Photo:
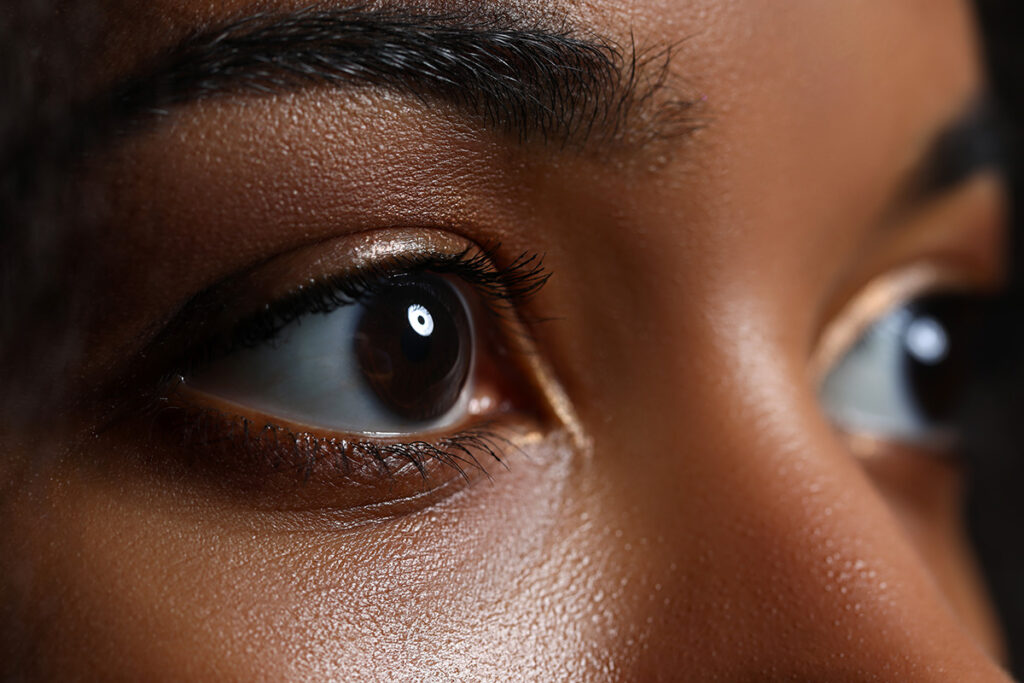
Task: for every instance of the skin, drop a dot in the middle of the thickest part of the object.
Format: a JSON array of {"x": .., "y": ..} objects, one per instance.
[{"x": 688, "y": 513}]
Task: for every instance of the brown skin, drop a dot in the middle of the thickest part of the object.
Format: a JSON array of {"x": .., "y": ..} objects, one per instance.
[{"x": 707, "y": 520}]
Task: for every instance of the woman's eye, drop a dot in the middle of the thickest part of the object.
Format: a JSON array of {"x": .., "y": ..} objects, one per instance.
[
  {"x": 903, "y": 377},
  {"x": 414, "y": 347},
  {"x": 394, "y": 380},
  {"x": 397, "y": 360}
]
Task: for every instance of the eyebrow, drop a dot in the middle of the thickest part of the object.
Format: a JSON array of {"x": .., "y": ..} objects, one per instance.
[
  {"x": 532, "y": 83},
  {"x": 971, "y": 143}
]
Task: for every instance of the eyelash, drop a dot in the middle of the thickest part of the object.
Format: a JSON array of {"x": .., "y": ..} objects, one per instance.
[
  {"x": 502, "y": 289},
  {"x": 281, "y": 450}
]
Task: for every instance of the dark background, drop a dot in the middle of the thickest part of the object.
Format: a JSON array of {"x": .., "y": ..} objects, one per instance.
[{"x": 995, "y": 409}]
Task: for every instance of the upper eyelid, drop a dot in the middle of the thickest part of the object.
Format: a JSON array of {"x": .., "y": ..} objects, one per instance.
[
  {"x": 175, "y": 343},
  {"x": 502, "y": 287},
  {"x": 878, "y": 297}
]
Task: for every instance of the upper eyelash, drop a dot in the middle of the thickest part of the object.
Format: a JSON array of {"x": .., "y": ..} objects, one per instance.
[{"x": 502, "y": 288}]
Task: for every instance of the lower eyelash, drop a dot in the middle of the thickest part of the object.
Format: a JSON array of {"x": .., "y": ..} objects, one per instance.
[
  {"x": 275, "y": 449},
  {"x": 460, "y": 451}
]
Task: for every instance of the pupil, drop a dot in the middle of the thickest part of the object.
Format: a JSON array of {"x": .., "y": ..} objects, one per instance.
[
  {"x": 413, "y": 346},
  {"x": 936, "y": 364}
]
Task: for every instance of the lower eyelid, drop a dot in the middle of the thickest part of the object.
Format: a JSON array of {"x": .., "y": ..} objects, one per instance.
[
  {"x": 868, "y": 448},
  {"x": 274, "y": 467}
]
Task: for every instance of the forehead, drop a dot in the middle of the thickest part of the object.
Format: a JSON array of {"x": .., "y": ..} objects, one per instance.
[
  {"x": 847, "y": 64},
  {"x": 807, "y": 108},
  {"x": 811, "y": 112},
  {"x": 754, "y": 63}
]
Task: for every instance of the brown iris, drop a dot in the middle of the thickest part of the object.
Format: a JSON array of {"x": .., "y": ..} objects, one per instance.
[{"x": 414, "y": 345}]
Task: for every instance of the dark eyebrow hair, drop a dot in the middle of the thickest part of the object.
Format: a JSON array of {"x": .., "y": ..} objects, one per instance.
[
  {"x": 530, "y": 82},
  {"x": 971, "y": 143}
]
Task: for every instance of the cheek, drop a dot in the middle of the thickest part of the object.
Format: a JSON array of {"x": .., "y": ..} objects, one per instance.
[
  {"x": 926, "y": 495},
  {"x": 729, "y": 524},
  {"x": 738, "y": 536},
  {"x": 133, "y": 576}
]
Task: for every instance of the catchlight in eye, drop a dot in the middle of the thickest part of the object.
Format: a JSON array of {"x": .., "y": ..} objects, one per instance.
[
  {"x": 397, "y": 359},
  {"x": 903, "y": 378},
  {"x": 413, "y": 342}
]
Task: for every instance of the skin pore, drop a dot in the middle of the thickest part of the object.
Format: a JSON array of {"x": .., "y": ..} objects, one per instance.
[{"x": 674, "y": 502}]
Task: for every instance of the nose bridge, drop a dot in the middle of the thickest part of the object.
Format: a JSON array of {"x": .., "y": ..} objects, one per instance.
[{"x": 787, "y": 561}]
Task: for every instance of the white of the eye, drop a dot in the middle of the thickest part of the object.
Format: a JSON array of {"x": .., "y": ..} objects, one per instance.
[
  {"x": 927, "y": 341},
  {"x": 420, "y": 320}
]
